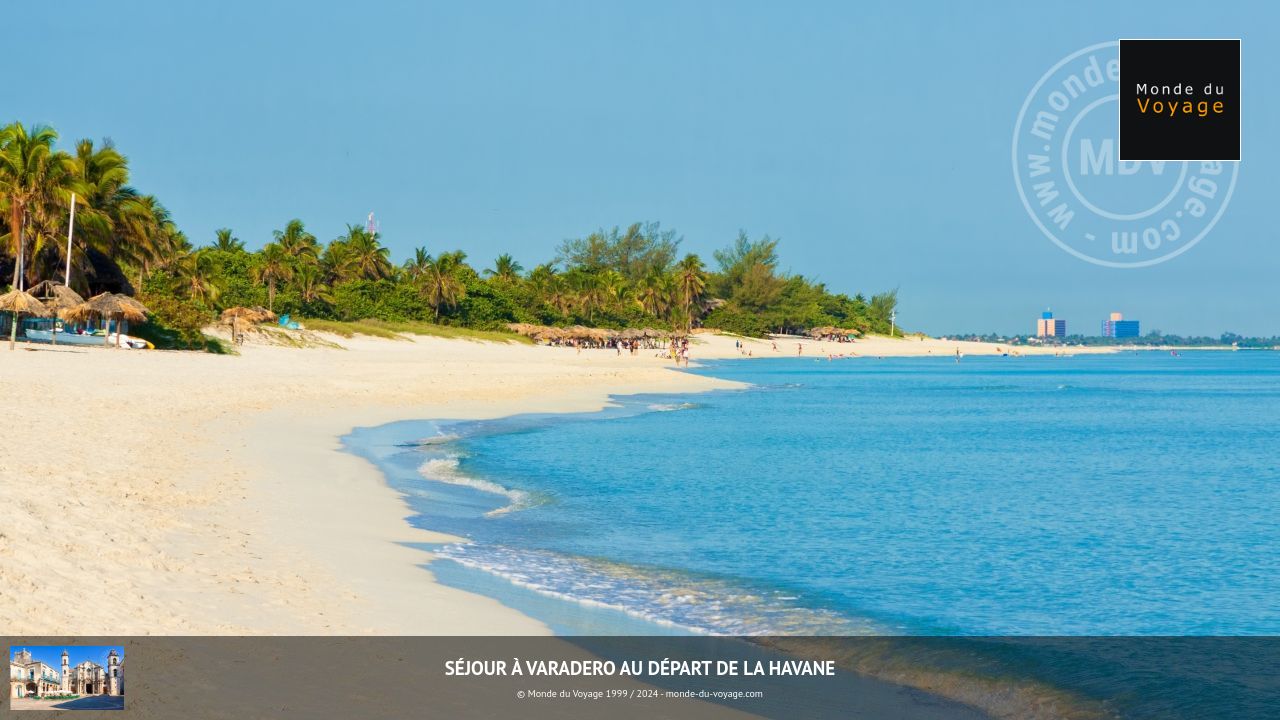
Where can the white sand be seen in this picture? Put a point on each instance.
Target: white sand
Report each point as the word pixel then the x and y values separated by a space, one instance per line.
pixel 186 493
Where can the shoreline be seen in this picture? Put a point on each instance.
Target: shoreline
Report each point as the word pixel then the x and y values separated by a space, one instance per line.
pixel 217 497
pixel 207 480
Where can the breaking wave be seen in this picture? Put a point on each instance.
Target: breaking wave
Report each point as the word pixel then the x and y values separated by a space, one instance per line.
pixel 665 597
pixel 446 470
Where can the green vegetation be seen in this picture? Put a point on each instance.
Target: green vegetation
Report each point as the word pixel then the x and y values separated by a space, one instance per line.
pixel 126 242
pixel 397 330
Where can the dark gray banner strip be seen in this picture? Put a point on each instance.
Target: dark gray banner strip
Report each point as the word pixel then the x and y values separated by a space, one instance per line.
pixel 654 677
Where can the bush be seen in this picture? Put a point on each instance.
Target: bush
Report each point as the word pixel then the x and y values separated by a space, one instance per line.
pixel 175 324
pixel 735 320
pixel 378 299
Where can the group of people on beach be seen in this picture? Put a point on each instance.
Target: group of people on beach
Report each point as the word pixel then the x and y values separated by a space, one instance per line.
pixel 632 346
pixel 680 351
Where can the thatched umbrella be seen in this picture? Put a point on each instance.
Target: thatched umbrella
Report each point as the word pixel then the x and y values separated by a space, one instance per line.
pixel 58 298
pixel 55 295
pixel 248 314
pixel 19 302
pixel 252 315
pixel 121 307
pixel 78 314
pixel 549 334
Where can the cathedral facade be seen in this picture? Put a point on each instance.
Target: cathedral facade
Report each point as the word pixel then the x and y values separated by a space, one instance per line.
pixel 29 677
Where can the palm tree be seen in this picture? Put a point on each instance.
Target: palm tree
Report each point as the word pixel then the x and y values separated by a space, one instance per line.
pixel 541 278
pixel 559 296
pixel 589 292
pixel 146 236
pixel 296 242
pixel 334 260
pixel 197 273
pixel 227 242
pixel 114 218
pixel 883 308
pixel 273 267
pixel 416 266
pixel 99 177
pixel 505 269
pixel 26 159
pixel 46 227
pixel 453 261
pixel 691 280
pixel 615 287
pixel 654 294
pixel 439 283
pixel 364 256
pixel 308 279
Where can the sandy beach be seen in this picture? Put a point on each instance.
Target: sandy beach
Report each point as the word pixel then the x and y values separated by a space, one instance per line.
pixel 207 494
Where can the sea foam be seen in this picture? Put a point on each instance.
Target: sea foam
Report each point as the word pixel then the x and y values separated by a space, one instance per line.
pixel 664 597
pixel 447 470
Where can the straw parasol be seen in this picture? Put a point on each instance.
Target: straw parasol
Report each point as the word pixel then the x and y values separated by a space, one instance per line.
pixel 829 331
pixel 109 305
pixel 58 298
pixel 19 302
pixel 252 315
pixel 55 295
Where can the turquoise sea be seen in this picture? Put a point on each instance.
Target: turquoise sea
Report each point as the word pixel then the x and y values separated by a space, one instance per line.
pixel 1128 494
pixel 1091 498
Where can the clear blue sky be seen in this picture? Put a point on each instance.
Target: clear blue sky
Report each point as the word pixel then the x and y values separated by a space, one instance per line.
pixel 872 137
pixel 51 655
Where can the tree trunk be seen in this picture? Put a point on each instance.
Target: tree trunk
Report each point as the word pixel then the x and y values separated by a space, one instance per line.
pixel 15 221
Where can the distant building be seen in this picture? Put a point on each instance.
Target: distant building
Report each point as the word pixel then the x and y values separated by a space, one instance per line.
pixel 1046 326
pixel 90 678
pixel 29 677
pixel 1118 327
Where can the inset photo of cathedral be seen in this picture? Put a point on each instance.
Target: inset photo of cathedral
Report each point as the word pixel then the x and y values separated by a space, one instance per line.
pixel 72 677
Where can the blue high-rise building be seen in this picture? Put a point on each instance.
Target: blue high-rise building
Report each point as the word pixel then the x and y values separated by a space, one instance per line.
pixel 1118 327
pixel 1047 326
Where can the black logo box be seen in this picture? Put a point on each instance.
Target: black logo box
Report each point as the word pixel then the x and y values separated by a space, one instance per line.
pixel 1187 68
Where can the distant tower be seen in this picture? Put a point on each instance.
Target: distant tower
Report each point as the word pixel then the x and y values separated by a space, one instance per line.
pixel 63 684
pixel 113 673
pixel 1047 326
pixel 372 225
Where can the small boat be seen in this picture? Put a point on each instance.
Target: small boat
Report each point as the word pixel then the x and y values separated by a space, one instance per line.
pixel 66 338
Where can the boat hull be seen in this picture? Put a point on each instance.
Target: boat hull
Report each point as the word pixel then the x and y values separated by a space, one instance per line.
pixel 74 339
